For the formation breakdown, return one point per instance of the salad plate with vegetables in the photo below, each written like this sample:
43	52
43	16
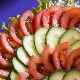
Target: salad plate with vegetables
42	43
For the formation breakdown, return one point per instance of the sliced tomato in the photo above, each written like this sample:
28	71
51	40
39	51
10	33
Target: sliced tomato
57	15
37	22
8	44
56	54
78	64
4	73
46	57
14	32
67	16
74	21
47	16
25	22
72	58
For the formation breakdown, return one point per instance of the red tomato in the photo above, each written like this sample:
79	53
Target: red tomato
74	21
72	58
78	64
25	22
57	15
32	67
8	44
45	56
67	16
14	32
37	22
56	54
4	73
47	16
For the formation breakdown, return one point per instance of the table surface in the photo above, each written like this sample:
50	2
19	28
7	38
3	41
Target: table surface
10	8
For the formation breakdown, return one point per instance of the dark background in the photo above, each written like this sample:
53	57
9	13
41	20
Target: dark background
10	8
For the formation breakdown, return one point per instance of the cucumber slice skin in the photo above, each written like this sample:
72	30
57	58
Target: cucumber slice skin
71	35
73	74
44	78
52	37
57	75
40	39
19	54
29	45
13	76
74	46
20	68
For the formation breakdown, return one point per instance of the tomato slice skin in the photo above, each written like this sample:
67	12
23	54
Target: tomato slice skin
74	20
46	53
56	54
6	43
32	67
37	21
71	57
48	15
67	16
58	13
13	29
22	22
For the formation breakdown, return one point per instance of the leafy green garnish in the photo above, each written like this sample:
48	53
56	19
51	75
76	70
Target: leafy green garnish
47	3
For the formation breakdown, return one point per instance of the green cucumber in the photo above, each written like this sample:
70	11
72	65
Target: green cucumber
71	35
22	56
44	78
73	74
57	75
40	39
29	46
17	66
74	46
13	76
53	35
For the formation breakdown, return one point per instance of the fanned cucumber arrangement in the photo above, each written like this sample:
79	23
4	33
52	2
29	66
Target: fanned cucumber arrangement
34	44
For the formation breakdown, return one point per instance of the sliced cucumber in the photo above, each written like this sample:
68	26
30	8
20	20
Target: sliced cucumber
74	46
57	75
29	46
70	35
40	37
13	76
53	35
17	66
2	78
73	74
22	56
44	78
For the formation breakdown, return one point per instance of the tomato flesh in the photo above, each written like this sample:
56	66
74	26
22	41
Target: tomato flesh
56	54
25	22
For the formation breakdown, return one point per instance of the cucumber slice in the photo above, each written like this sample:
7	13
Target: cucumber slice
17	66
70	35
53	35
29	46
57	75
44	78
13	76
22	56
40	37
73	74
74	46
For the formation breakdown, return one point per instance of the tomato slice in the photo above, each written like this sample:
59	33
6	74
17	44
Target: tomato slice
74	21
4	73
56	54
72	58
46	56
47	16
8	44
14	32
37	22
57	15
67	16
25	22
